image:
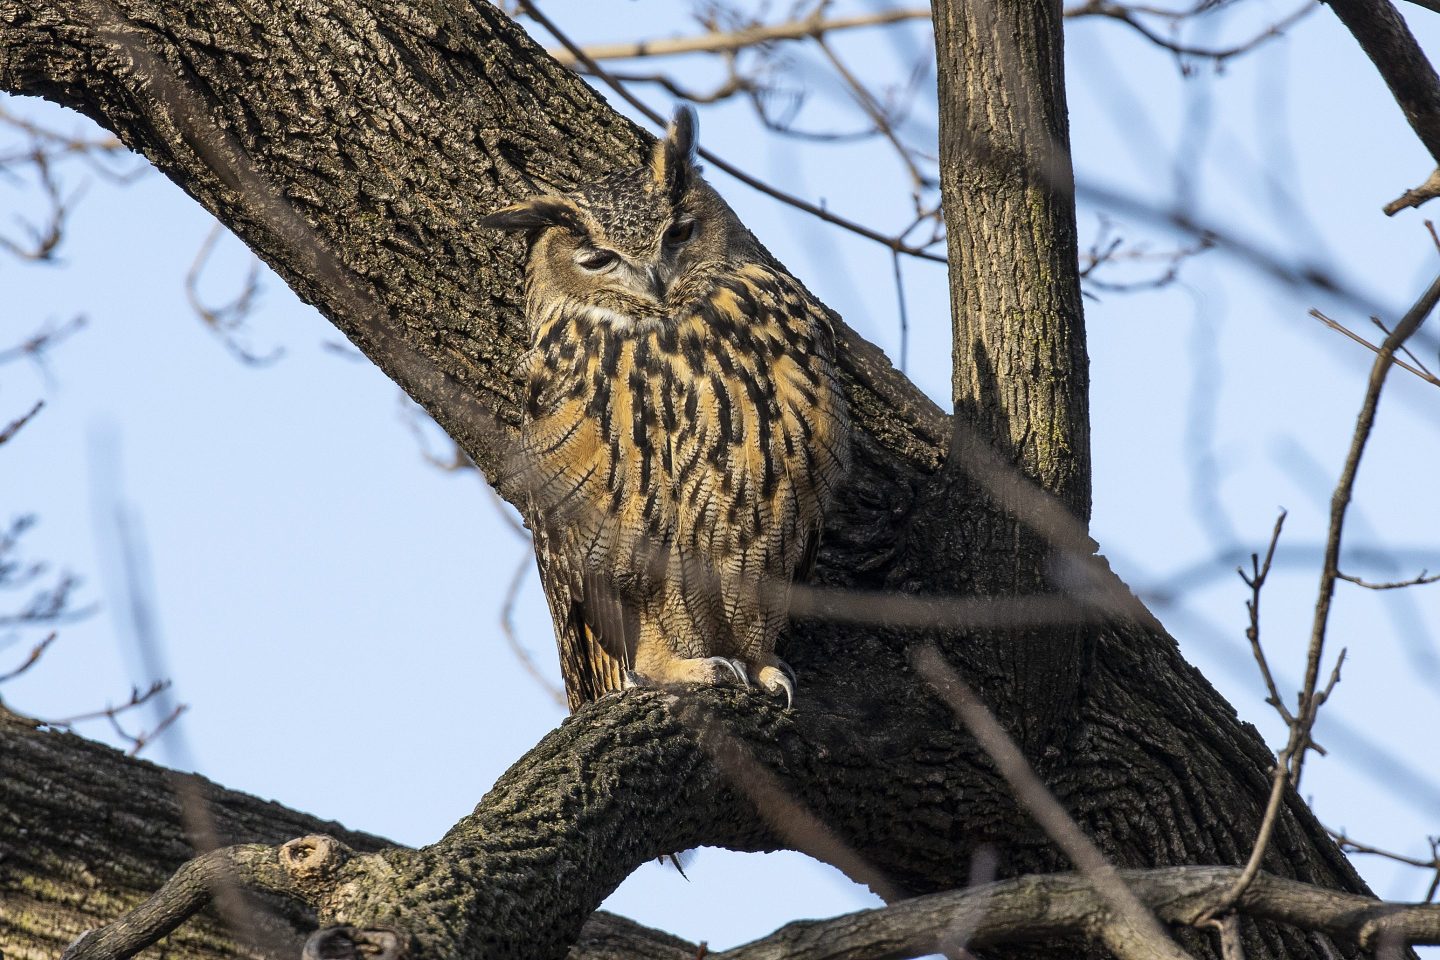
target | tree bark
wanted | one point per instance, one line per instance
(87, 832)
(354, 145)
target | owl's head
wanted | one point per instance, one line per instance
(632, 245)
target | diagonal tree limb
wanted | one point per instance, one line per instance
(1382, 33)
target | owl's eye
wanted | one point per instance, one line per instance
(597, 260)
(679, 232)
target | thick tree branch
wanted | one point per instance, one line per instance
(1059, 906)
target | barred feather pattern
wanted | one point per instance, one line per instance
(678, 469)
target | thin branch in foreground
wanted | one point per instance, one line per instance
(796, 826)
(1134, 932)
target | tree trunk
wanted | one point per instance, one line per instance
(360, 183)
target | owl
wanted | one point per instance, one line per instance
(682, 429)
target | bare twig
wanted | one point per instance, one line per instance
(226, 320)
(1415, 196)
(14, 426)
(1338, 327)
(1256, 581)
(1291, 761)
(507, 629)
(1351, 845)
(815, 27)
(58, 146)
(112, 713)
(43, 240)
(32, 658)
(1344, 489)
(901, 311)
(1108, 249)
(812, 27)
(1417, 581)
(35, 346)
(1130, 16)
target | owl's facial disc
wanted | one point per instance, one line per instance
(644, 281)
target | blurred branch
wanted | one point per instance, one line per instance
(14, 426)
(227, 319)
(1131, 14)
(43, 240)
(895, 243)
(55, 146)
(816, 26)
(1108, 249)
(1416, 581)
(138, 698)
(812, 27)
(34, 348)
(32, 658)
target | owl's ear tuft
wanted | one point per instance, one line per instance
(672, 161)
(537, 213)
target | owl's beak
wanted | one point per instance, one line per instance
(657, 282)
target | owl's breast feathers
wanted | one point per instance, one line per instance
(708, 440)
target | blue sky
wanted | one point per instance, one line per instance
(325, 598)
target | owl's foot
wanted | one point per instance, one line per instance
(712, 670)
(776, 679)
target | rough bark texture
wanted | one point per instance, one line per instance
(87, 832)
(353, 145)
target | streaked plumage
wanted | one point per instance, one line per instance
(682, 429)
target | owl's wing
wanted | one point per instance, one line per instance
(596, 631)
(806, 567)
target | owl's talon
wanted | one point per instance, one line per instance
(631, 679)
(776, 680)
(734, 666)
